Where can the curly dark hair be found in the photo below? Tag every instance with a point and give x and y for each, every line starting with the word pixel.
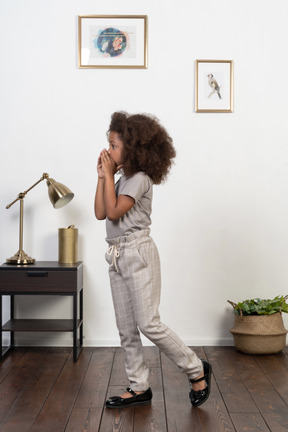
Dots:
pixel 147 145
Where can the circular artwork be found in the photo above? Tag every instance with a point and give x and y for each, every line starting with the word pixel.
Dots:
pixel 111 42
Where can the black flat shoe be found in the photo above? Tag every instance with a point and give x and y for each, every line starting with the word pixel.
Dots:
pixel 199 397
pixel 136 399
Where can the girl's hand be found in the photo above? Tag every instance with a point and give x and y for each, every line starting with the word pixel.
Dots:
pixel 99 168
pixel 108 165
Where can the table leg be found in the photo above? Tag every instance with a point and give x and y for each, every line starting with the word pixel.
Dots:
pixel 1 323
pixel 81 318
pixel 4 350
pixel 12 309
pixel 75 327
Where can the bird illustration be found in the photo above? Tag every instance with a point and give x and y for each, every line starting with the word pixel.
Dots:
pixel 214 85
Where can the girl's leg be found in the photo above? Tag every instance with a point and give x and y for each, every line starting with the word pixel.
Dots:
pixel 136 368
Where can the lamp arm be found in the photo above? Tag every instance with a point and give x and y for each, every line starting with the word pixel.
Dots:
pixel 22 194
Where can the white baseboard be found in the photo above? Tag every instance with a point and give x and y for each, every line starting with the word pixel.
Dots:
pixel 63 341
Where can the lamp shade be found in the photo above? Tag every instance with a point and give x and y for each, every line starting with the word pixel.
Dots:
pixel 59 194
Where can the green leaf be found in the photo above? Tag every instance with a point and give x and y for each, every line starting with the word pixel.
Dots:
pixel 259 306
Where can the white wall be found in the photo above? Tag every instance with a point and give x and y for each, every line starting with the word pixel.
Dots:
pixel 220 221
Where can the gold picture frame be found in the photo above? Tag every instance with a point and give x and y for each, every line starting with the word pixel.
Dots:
pixel 214 86
pixel 112 41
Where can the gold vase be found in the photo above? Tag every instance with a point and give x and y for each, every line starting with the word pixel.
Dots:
pixel 68 245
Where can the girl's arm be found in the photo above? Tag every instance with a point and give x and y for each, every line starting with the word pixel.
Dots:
pixel 115 207
pixel 106 204
pixel 99 206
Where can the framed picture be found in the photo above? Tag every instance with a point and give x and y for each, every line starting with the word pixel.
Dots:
pixel 112 41
pixel 214 86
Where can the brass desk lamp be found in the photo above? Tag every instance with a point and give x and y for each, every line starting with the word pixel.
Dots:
pixel 59 196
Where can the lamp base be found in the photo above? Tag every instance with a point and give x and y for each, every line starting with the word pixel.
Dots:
pixel 20 258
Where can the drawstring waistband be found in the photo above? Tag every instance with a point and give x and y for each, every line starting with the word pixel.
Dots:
pixel 113 250
pixel 117 243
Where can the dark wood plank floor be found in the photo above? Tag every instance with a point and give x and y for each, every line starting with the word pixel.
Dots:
pixel 43 390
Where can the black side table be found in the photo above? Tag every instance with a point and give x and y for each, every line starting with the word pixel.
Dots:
pixel 43 278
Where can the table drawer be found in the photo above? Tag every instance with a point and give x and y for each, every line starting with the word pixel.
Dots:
pixel 38 280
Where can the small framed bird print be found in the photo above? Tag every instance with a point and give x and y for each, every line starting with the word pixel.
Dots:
pixel 214 86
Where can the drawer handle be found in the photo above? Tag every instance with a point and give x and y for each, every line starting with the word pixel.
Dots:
pixel 37 273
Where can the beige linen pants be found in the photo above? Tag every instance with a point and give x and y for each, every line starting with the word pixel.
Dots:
pixel 136 284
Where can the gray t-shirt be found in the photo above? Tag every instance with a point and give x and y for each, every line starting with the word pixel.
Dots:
pixel 140 187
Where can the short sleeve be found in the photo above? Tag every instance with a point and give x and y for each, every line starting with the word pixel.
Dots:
pixel 135 186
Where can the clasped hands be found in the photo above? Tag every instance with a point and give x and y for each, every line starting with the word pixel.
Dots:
pixel 106 165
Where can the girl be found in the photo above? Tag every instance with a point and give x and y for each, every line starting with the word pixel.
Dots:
pixel 144 151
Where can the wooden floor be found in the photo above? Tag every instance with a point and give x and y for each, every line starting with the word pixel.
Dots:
pixel 43 390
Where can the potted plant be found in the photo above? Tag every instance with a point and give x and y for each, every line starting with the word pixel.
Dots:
pixel 258 325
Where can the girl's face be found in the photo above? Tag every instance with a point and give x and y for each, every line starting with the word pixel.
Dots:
pixel 116 147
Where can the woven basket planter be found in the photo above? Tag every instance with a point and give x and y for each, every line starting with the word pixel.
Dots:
pixel 259 334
